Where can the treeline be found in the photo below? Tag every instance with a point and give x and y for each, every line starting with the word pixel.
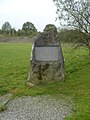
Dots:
pixel 28 29
pixel 72 35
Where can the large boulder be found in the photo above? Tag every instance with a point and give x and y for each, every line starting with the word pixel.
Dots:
pixel 46 62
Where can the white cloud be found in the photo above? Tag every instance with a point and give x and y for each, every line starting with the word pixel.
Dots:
pixel 39 12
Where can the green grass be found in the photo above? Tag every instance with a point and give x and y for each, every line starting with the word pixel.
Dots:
pixel 2 107
pixel 14 68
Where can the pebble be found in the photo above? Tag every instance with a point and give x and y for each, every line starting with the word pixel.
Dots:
pixel 44 107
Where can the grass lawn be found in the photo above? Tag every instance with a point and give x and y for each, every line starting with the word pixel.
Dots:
pixel 14 68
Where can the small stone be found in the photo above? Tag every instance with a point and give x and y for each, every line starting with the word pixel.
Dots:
pixel 44 107
pixel 30 84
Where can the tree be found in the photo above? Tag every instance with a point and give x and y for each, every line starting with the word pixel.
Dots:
pixel 29 28
pixel 70 35
pixel 6 27
pixel 0 31
pixel 13 31
pixel 50 27
pixel 51 30
pixel 76 14
pixel 21 32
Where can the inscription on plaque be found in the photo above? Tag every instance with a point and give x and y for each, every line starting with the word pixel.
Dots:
pixel 48 53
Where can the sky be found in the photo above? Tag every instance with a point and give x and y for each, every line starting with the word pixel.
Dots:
pixel 17 12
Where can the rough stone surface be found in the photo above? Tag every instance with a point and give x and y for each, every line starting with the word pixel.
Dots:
pixel 37 108
pixel 42 72
pixel 46 64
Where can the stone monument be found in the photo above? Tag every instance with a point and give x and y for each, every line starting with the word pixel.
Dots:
pixel 46 63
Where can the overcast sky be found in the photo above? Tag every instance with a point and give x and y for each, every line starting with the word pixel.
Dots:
pixel 17 12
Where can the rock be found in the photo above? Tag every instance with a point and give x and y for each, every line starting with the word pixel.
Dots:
pixel 47 63
pixel 30 84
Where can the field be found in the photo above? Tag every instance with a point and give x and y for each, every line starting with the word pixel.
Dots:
pixel 14 68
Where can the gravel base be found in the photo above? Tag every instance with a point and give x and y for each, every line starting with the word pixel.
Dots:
pixel 37 108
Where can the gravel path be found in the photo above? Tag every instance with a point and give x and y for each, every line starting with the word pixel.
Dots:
pixel 37 108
